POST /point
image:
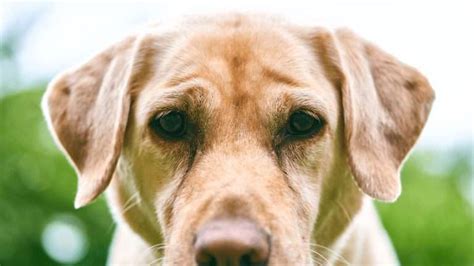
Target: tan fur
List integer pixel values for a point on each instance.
(238, 78)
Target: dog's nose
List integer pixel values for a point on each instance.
(232, 242)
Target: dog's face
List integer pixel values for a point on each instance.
(237, 138)
(254, 131)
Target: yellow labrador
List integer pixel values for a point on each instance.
(241, 140)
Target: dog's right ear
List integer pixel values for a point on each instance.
(87, 110)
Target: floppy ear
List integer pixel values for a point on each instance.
(385, 106)
(87, 110)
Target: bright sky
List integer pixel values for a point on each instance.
(437, 37)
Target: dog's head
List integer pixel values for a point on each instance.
(238, 139)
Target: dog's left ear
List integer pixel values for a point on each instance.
(385, 106)
(87, 110)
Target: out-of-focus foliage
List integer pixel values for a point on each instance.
(431, 223)
(36, 185)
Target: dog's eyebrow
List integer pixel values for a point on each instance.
(280, 77)
(307, 99)
(182, 96)
(180, 79)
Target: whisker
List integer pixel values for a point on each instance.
(154, 248)
(131, 202)
(176, 261)
(127, 208)
(333, 252)
(131, 198)
(157, 261)
(346, 213)
(325, 260)
(317, 261)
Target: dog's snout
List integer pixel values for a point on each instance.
(233, 242)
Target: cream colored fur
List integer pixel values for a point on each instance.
(238, 78)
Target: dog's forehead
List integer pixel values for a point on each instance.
(243, 62)
(240, 57)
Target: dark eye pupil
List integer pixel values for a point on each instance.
(301, 123)
(172, 124)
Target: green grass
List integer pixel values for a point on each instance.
(431, 224)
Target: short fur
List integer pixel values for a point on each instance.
(238, 78)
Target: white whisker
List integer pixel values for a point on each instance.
(346, 213)
(129, 203)
(152, 249)
(333, 252)
(325, 260)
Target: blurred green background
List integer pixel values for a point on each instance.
(432, 223)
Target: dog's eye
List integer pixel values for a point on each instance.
(302, 124)
(170, 125)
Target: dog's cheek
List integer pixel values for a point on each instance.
(152, 166)
(154, 169)
(306, 164)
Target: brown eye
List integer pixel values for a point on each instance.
(302, 124)
(170, 125)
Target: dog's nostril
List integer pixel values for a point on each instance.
(231, 242)
(206, 260)
(246, 260)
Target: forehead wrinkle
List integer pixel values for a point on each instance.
(237, 61)
(180, 75)
(216, 69)
(209, 68)
(194, 61)
(224, 58)
(187, 96)
(279, 77)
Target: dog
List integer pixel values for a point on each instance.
(240, 140)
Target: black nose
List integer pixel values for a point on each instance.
(231, 242)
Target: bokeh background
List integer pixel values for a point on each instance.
(431, 224)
